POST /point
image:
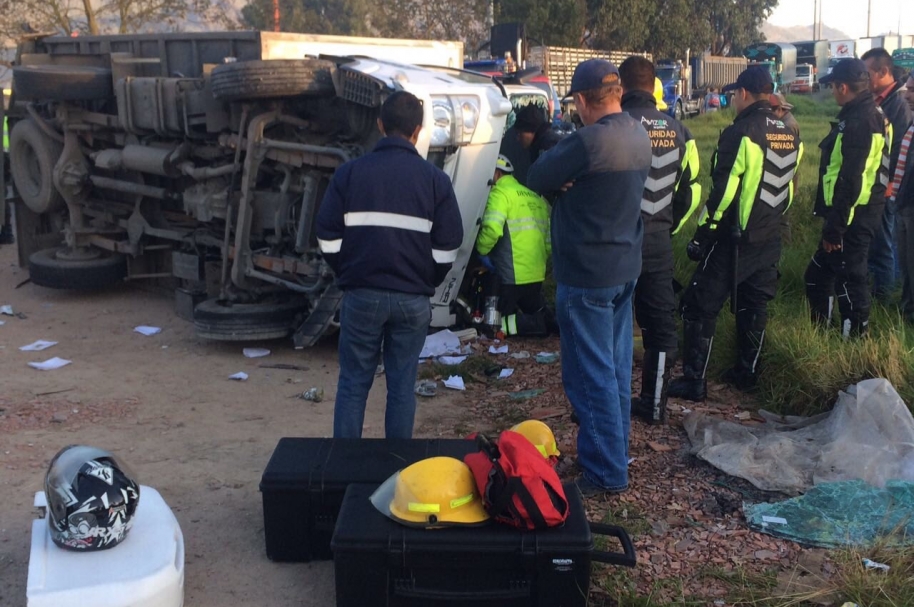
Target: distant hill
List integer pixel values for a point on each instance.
(774, 33)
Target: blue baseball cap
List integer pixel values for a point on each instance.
(592, 74)
(755, 79)
(846, 70)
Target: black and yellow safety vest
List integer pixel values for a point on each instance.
(752, 174)
(672, 192)
(854, 167)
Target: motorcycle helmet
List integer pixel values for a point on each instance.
(540, 435)
(434, 492)
(92, 498)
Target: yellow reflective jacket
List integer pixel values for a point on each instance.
(515, 232)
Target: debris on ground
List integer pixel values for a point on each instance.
(451, 360)
(523, 354)
(503, 349)
(874, 565)
(283, 367)
(547, 357)
(455, 382)
(240, 376)
(147, 330)
(50, 364)
(38, 346)
(426, 387)
(315, 395)
(505, 373)
(526, 394)
(255, 352)
(440, 344)
(6, 309)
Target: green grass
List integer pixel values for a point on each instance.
(802, 367)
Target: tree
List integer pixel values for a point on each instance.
(736, 23)
(619, 24)
(551, 22)
(675, 27)
(342, 17)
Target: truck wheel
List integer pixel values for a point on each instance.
(677, 111)
(62, 83)
(32, 158)
(276, 78)
(226, 321)
(57, 269)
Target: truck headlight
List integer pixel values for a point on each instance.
(454, 120)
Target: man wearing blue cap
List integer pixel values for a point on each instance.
(597, 175)
(853, 176)
(738, 240)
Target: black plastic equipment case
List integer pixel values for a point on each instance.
(380, 562)
(304, 483)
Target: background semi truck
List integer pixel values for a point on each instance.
(685, 83)
(204, 157)
(779, 57)
(812, 64)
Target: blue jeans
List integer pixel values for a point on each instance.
(370, 318)
(596, 334)
(883, 254)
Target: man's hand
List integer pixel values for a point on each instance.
(698, 246)
(830, 247)
(487, 263)
(567, 186)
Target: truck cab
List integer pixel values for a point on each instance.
(202, 159)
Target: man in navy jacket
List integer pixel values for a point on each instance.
(390, 227)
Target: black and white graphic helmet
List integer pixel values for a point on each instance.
(92, 497)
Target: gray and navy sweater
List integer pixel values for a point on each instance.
(389, 220)
(596, 224)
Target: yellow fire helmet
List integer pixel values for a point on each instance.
(540, 435)
(658, 95)
(434, 492)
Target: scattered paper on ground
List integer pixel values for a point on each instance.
(439, 344)
(451, 360)
(50, 364)
(38, 346)
(255, 352)
(455, 382)
(147, 330)
(499, 350)
(8, 310)
(505, 373)
(240, 376)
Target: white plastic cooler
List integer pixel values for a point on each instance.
(145, 570)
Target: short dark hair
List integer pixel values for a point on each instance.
(881, 58)
(637, 73)
(857, 87)
(608, 92)
(401, 114)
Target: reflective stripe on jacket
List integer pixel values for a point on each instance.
(854, 168)
(672, 192)
(515, 232)
(752, 174)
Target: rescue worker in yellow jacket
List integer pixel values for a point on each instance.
(514, 244)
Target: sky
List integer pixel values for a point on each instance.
(848, 16)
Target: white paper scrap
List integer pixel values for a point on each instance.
(240, 376)
(8, 310)
(255, 352)
(451, 360)
(631, 459)
(50, 364)
(454, 382)
(38, 346)
(439, 344)
(2, 322)
(505, 373)
(499, 350)
(874, 565)
(146, 330)
(774, 519)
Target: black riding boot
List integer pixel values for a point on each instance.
(750, 335)
(655, 379)
(820, 308)
(698, 335)
(857, 326)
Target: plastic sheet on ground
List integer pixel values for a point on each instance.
(440, 343)
(869, 436)
(839, 514)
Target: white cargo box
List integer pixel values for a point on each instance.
(145, 570)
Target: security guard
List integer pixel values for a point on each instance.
(671, 195)
(853, 175)
(514, 242)
(738, 241)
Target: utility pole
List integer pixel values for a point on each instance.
(869, 16)
(815, 15)
(275, 15)
(819, 35)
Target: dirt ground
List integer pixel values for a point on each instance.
(165, 405)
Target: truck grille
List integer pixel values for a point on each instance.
(360, 89)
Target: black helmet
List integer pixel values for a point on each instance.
(92, 498)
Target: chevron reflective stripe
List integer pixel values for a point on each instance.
(652, 208)
(775, 181)
(388, 220)
(330, 246)
(781, 162)
(444, 256)
(655, 185)
(773, 200)
(658, 162)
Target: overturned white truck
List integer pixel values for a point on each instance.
(205, 156)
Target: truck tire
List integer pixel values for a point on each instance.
(62, 82)
(32, 158)
(276, 78)
(677, 111)
(221, 320)
(51, 268)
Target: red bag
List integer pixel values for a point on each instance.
(517, 484)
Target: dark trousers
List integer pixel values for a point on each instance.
(527, 298)
(711, 284)
(655, 302)
(844, 273)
